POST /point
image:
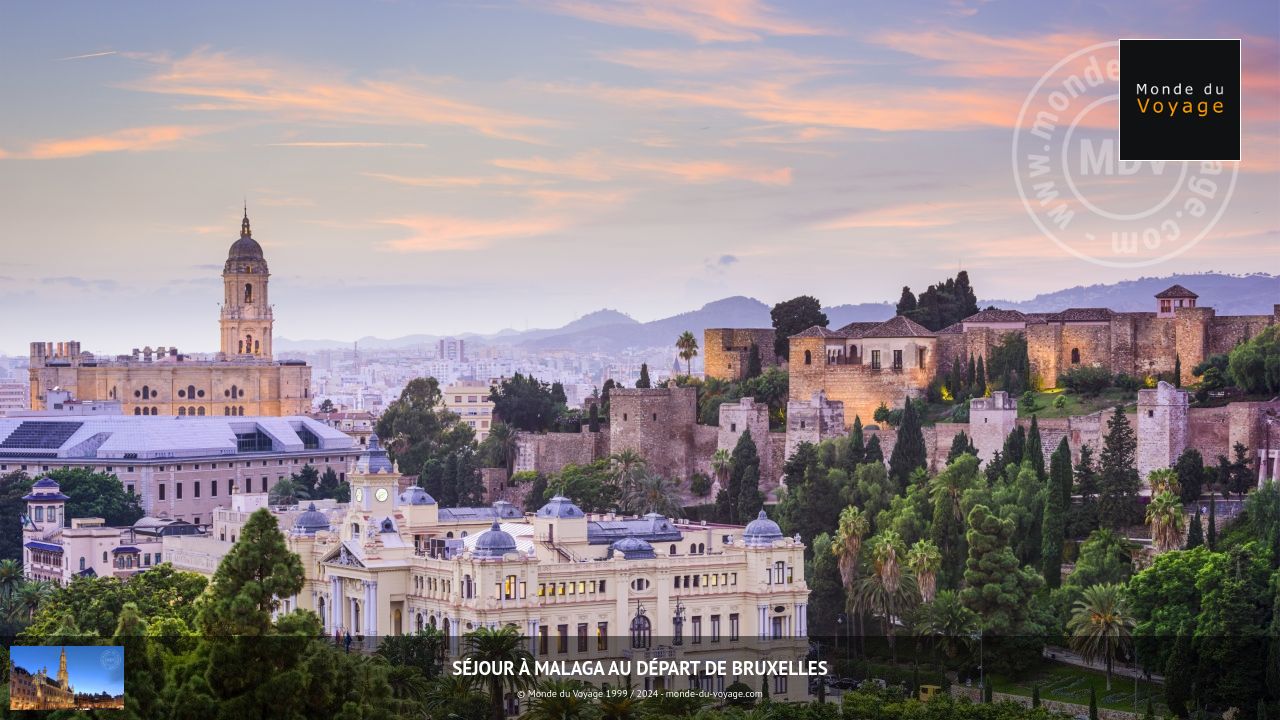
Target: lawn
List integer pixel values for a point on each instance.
(1076, 404)
(1070, 683)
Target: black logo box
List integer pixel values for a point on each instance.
(1185, 67)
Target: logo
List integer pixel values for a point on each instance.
(1180, 100)
(1079, 193)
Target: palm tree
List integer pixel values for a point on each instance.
(28, 598)
(1164, 479)
(652, 493)
(10, 577)
(504, 439)
(1100, 625)
(449, 692)
(688, 346)
(948, 621)
(924, 559)
(874, 596)
(1167, 521)
(499, 645)
(626, 465)
(721, 463)
(848, 542)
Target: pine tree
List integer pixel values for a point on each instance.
(906, 302)
(993, 565)
(874, 453)
(754, 365)
(1055, 515)
(643, 382)
(909, 451)
(1195, 533)
(1118, 482)
(1034, 450)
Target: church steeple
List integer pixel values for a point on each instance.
(244, 224)
(246, 310)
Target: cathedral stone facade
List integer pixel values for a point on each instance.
(241, 379)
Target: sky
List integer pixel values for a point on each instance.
(90, 669)
(453, 167)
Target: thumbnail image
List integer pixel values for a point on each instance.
(87, 677)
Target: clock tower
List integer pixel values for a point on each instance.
(246, 311)
(374, 483)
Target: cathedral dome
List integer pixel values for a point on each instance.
(494, 543)
(761, 532)
(633, 548)
(246, 249)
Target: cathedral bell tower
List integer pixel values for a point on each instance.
(246, 310)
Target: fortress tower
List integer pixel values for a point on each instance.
(1162, 428)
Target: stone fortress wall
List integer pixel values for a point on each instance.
(725, 351)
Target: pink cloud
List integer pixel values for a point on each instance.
(454, 181)
(703, 20)
(301, 94)
(440, 233)
(594, 166)
(138, 139)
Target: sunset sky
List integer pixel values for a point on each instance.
(453, 167)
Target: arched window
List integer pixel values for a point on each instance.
(248, 292)
(146, 392)
(419, 623)
(641, 632)
(257, 348)
(82, 563)
(191, 391)
(468, 587)
(248, 342)
(673, 550)
(137, 411)
(702, 548)
(1075, 356)
(191, 411)
(808, 358)
(104, 556)
(200, 411)
(182, 411)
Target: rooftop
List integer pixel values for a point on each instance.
(1175, 291)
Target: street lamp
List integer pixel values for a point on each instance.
(678, 624)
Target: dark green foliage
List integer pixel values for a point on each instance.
(942, 304)
(526, 403)
(754, 364)
(909, 452)
(1088, 380)
(960, 445)
(700, 485)
(326, 406)
(1177, 371)
(416, 428)
(874, 453)
(979, 388)
(95, 494)
(794, 316)
(1104, 557)
(1009, 367)
(826, 592)
(1211, 534)
(1118, 481)
(744, 479)
(1055, 514)
(593, 421)
(308, 479)
(644, 381)
(857, 447)
(1035, 695)
(1034, 451)
(1241, 476)
(906, 301)
(1015, 447)
(1093, 703)
(1190, 469)
(998, 589)
(1254, 365)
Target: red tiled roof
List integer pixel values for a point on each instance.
(994, 315)
(1082, 315)
(817, 331)
(899, 327)
(856, 329)
(1176, 291)
(952, 329)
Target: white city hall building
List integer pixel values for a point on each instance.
(578, 586)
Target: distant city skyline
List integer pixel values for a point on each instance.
(91, 669)
(446, 168)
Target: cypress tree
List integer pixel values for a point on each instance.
(956, 382)
(909, 451)
(593, 418)
(960, 445)
(744, 457)
(1015, 447)
(752, 500)
(857, 447)
(1211, 537)
(1177, 371)
(1150, 714)
(980, 378)
(1055, 515)
(754, 366)
(971, 374)
(874, 453)
(643, 382)
(1195, 533)
(1034, 450)
(1118, 481)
